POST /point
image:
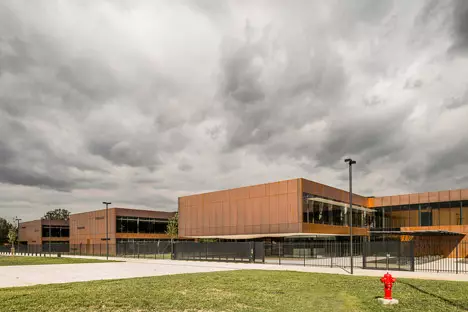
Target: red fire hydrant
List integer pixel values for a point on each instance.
(388, 281)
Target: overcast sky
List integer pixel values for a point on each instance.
(139, 102)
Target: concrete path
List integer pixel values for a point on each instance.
(12, 276)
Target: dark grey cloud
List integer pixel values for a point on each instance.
(141, 102)
(460, 22)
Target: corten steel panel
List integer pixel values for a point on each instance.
(370, 202)
(292, 209)
(404, 199)
(414, 198)
(274, 200)
(248, 212)
(395, 200)
(274, 188)
(283, 209)
(226, 214)
(386, 201)
(30, 232)
(444, 196)
(257, 211)
(455, 195)
(424, 197)
(464, 194)
(248, 209)
(378, 202)
(434, 197)
(283, 187)
(265, 212)
(90, 227)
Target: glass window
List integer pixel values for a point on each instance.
(132, 225)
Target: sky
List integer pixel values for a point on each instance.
(140, 102)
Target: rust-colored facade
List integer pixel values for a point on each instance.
(266, 210)
(296, 208)
(32, 232)
(89, 228)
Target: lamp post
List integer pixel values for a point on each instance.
(107, 228)
(17, 232)
(350, 163)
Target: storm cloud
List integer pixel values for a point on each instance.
(141, 102)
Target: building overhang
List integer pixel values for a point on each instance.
(336, 203)
(269, 235)
(418, 233)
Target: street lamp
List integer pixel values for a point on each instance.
(17, 232)
(107, 228)
(350, 163)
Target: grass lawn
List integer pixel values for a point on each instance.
(20, 260)
(237, 291)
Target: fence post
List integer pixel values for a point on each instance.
(279, 252)
(412, 255)
(332, 250)
(456, 259)
(304, 250)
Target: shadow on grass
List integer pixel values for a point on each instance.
(450, 302)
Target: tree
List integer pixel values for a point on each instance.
(12, 236)
(173, 226)
(5, 227)
(57, 214)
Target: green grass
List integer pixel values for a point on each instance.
(237, 291)
(21, 260)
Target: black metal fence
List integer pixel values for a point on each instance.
(415, 255)
(220, 251)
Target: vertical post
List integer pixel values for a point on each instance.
(304, 249)
(350, 162)
(279, 252)
(107, 228)
(456, 259)
(50, 235)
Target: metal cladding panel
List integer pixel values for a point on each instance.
(386, 201)
(292, 209)
(274, 188)
(233, 210)
(249, 211)
(257, 191)
(433, 197)
(395, 200)
(293, 186)
(378, 202)
(464, 194)
(404, 199)
(257, 211)
(455, 195)
(241, 217)
(226, 214)
(444, 196)
(424, 197)
(283, 187)
(265, 211)
(283, 208)
(414, 199)
(274, 200)
(218, 207)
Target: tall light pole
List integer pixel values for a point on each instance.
(350, 163)
(107, 228)
(17, 232)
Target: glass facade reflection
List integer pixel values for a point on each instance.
(324, 211)
(426, 214)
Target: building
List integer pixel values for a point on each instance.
(36, 235)
(125, 227)
(299, 208)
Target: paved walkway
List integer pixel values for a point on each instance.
(63, 273)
